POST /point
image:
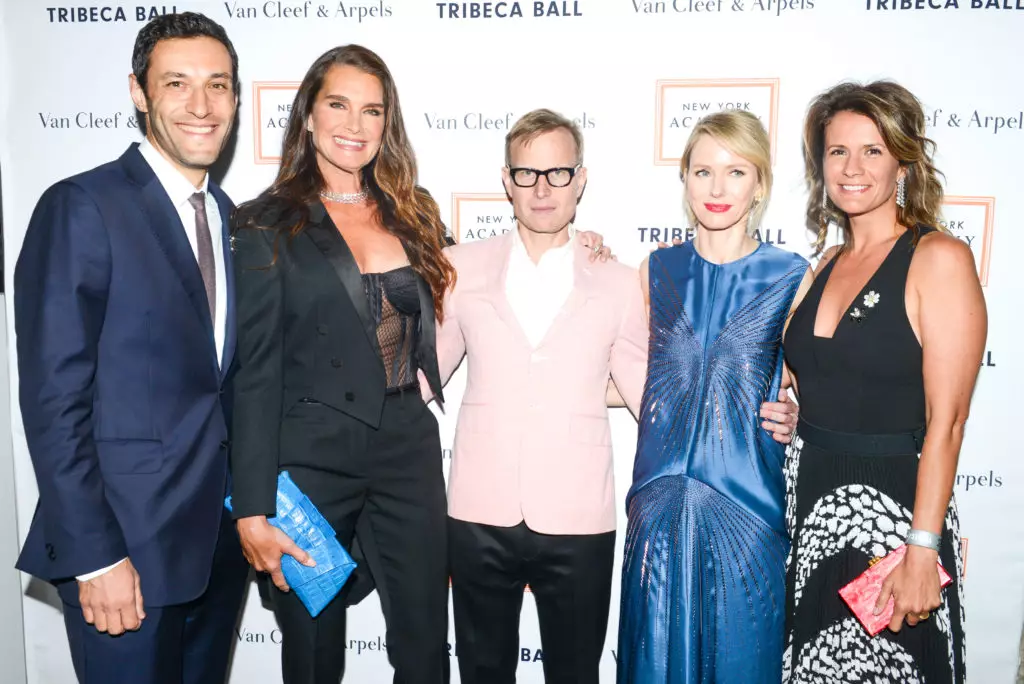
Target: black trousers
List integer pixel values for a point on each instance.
(571, 579)
(385, 486)
(188, 643)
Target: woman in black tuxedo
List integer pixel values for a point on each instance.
(340, 273)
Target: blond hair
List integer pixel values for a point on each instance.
(744, 135)
(900, 120)
(537, 122)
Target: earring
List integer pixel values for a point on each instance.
(824, 198)
(901, 193)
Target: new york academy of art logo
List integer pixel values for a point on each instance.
(972, 219)
(680, 104)
(478, 216)
(272, 105)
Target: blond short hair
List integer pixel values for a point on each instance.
(537, 122)
(744, 135)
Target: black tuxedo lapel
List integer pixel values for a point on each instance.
(170, 234)
(322, 231)
(427, 346)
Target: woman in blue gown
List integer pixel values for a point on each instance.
(703, 577)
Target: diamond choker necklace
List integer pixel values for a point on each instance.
(345, 197)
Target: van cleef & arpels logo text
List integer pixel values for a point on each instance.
(1006, 122)
(307, 9)
(87, 120)
(489, 121)
(776, 7)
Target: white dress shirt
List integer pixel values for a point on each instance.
(537, 292)
(179, 189)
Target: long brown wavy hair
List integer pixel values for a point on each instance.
(406, 210)
(900, 119)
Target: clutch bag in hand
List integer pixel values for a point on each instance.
(862, 593)
(302, 522)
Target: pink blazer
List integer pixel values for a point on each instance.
(532, 440)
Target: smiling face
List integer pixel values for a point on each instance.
(188, 101)
(720, 185)
(544, 208)
(347, 121)
(860, 172)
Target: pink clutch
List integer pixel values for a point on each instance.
(860, 594)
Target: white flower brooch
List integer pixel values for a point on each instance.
(870, 300)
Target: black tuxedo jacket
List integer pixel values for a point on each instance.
(304, 332)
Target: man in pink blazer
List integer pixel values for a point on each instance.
(531, 497)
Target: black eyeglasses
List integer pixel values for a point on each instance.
(557, 178)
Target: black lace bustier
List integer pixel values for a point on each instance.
(395, 306)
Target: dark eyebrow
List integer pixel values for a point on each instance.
(176, 74)
(342, 98)
(864, 146)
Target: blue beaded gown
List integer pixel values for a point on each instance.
(703, 578)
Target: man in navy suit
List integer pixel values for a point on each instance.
(123, 311)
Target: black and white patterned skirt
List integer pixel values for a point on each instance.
(843, 510)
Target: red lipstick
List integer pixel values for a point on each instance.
(717, 208)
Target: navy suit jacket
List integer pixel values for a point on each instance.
(120, 389)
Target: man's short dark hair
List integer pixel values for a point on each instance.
(182, 25)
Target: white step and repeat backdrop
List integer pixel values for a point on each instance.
(635, 76)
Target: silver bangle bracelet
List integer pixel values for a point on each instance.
(928, 540)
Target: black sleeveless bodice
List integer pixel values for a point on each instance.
(867, 377)
(851, 486)
(394, 302)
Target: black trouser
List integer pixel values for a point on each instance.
(387, 487)
(571, 579)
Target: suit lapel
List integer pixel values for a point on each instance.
(322, 231)
(166, 227)
(225, 206)
(497, 297)
(427, 347)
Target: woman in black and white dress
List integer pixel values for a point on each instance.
(885, 350)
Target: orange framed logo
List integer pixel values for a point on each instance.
(272, 103)
(972, 219)
(680, 104)
(478, 216)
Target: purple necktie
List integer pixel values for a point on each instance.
(205, 245)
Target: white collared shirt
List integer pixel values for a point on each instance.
(537, 292)
(179, 189)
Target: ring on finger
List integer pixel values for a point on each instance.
(923, 616)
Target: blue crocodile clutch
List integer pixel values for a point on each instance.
(302, 522)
